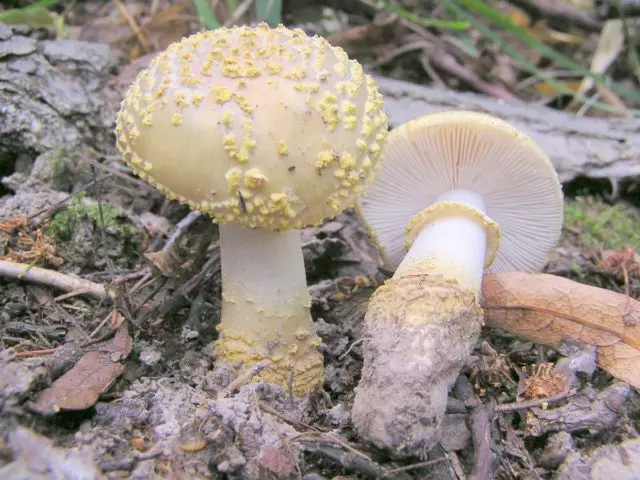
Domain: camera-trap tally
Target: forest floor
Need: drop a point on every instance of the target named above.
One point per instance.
(140, 397)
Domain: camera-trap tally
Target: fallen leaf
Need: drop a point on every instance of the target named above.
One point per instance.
(546, 309)
(95, 372)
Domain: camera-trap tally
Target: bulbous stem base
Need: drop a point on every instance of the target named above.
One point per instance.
(419, 330)
(265, 312)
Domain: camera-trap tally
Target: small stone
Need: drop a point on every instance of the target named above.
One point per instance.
(150, 356)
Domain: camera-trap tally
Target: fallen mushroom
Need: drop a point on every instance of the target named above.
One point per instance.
(458, 193)
(267, 131)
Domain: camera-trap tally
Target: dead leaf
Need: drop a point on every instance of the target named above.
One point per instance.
(547, 309)
(95, 372)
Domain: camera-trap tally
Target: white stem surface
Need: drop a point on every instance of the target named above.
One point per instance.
(262, 266)
(455, 244)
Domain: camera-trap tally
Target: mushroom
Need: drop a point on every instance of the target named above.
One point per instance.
(267, 130)
(458, 193)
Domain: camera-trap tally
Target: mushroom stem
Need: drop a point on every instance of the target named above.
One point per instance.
(423, 323)
(266, 307)
(455, 243)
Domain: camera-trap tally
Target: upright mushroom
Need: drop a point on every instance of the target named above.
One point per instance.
(458, 192)
(267, 131)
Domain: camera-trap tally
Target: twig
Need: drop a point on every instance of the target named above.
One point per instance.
(66, 283)
(128, 464)
(357, 342)
(180, 228)
(296, 423)
(245, 377)
(144, 43)
(414, 466)
(101, 324)
(35, 353)
(515, 406)
(481, 429)
(348, 460)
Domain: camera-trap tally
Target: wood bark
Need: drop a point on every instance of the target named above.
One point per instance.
(577, 146)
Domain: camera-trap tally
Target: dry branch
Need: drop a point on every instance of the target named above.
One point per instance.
(578, 146)
(66, 283)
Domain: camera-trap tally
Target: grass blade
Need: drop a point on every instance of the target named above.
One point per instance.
(495, 17)
(269, 11)
(425, 22)
(206, 15)
(528, 66)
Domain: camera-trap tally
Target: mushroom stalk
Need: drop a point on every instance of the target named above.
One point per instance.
(422, 325)
(266, 306)
(454, 243)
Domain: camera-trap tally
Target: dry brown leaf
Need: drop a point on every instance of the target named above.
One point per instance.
(95, 372)
(546, 309)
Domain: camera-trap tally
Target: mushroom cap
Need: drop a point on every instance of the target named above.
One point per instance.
(266, 127)
(458, 150)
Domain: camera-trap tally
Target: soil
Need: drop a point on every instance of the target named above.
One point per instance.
(150, 402)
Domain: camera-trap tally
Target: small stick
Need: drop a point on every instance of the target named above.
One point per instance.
(35, 353)
(357, 342)
(66, 283)
(245, 377)
(515, 406)
(128, 464)
(414, 466)
(144, 43)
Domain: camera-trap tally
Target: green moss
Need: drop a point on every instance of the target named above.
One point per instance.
(65, 223)
(596, 224)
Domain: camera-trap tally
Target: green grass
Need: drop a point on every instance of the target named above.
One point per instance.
(598, 225)
(36, 15)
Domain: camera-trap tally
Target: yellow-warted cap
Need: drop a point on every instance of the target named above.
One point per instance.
(458, 150)
(265, 127)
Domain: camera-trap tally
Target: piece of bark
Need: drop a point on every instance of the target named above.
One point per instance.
(547, 309)
(577, 146)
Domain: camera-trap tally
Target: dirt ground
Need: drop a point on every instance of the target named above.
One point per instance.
(141, 397)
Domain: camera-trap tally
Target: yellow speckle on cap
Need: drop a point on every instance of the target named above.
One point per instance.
(325, 159)
(296, 74)
(226, 119)
(176, 119)
(233, 177)
(222, 94)
(350, 122)
(347, 161)
(229, 141)
(282, 148)
(254, 178)
(197, 99)
(273, 68)
(134, 133)
(349, 108)
(146, 121)
(361, 144)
